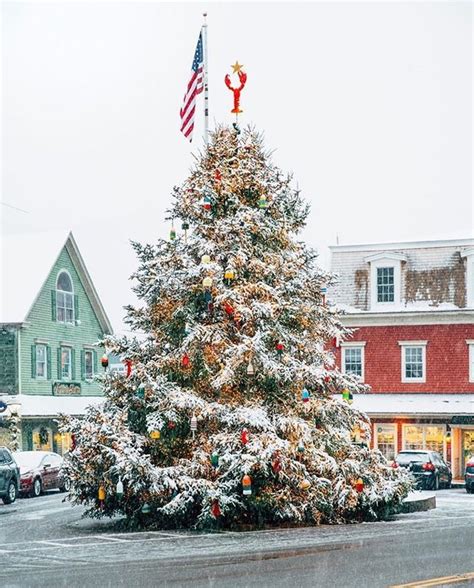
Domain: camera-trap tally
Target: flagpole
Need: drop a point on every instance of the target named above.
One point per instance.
(206, 85)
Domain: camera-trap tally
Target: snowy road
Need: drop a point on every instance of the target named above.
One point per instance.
(43, 542)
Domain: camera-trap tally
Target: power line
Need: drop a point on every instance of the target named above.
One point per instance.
(15, 207)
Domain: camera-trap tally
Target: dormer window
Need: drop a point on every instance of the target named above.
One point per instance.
(385, 280)
(64, 299)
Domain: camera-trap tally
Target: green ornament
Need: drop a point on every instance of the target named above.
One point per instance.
(140, 393)
(146, 508)
(214, 459)
(262, 202)
(185, 225)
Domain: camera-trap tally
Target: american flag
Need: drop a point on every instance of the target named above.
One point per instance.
(195, 87)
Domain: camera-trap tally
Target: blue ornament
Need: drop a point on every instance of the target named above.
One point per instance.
(305, 395)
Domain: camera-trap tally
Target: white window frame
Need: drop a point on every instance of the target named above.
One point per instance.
(395, 428)
(351, 344)
(424, 426)
(69, 349)
(403, 348)
(470, 350)
(45, 376)
(469, 255)
(381, 260)
(91, 352)
(66, 295)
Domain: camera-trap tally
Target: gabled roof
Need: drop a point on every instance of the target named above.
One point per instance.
(26, 262)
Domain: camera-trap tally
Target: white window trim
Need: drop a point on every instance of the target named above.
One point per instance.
(403, 346)
(69, 378)
(424, 425)
(73, 321)
(395, 427)
(469, 255)
(380, 260)
(470, 346)
(45, 377)
(91, 377)
(348, 344)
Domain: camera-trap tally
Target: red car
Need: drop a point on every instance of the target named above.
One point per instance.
(40, 471)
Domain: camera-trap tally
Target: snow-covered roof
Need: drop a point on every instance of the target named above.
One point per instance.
(26, 261)
(414, 404)
(53, 405)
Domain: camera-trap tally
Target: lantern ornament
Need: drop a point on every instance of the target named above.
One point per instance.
(347, 396)
(229, 275)
(250, 369)
(215, 509)
(359, 485)
(119, 488)
(305, 395)
(140, 393)
(206, 202)
(323, 290)
(244, 436)
(263, 202)
(172, 234)
(207, 282)
(185, 361)
(128, 367)
(155, 435)
(193, 425)
(214, 459)
(247, 485)
(305, 484)
(276, 464)
(104, 361)
(205, 259)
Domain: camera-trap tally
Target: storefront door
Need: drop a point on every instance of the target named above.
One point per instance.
(467, 448)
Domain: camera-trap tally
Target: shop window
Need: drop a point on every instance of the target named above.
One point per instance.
(42, 439)
(386, 439)
(429, 437)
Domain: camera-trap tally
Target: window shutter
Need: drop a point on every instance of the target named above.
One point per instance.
(95, 362)
(83, 362)
(76, 307)
(33, 361)
(53, 305)
(48, 362)
(59, 363)
(73, 364)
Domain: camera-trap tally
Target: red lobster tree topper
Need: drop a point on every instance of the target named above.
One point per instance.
(237, 68)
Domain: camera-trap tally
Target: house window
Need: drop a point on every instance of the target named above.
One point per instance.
(386, 439)
(413, 361)
(430, 437)
(64, 299)
(385, 284)
(88, 364)
(470, 346)
(66, 363)
(353, 358)
(41, 362)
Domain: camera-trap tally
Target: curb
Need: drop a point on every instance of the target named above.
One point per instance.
(419, 505)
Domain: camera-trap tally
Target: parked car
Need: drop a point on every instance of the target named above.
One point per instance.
(9, 476)
(469, 476)
(40, 471)
(428, 467)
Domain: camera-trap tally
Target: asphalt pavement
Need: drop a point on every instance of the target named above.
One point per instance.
(45, 542)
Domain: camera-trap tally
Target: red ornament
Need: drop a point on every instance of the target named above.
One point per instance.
(185, 361)
(128, 367)
(327, 379)
(236, 91)
(276, 464)
(244, 436)
(217, 175)
(279, 347)
(359, 485)
(215, 509)
(228, 309)
(104, 361)
(171, 425)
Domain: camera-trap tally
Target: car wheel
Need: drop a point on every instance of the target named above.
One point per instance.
(66, 486)
(448, 484)
(37, 488)
(435, 483)
(10, 496)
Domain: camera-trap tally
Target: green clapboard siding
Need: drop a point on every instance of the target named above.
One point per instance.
(43, 326)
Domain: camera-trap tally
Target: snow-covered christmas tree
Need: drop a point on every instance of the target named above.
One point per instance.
(231, 411)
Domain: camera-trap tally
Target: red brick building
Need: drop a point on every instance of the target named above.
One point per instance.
(411, 306)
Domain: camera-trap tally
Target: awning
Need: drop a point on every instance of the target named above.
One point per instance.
(414, 404)
(41, 406)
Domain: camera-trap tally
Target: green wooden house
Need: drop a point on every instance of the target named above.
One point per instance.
(50, 319)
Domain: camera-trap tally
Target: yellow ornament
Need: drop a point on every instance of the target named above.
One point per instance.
(305, 484)
(101, 493)
(155, 434)
(229, 274)
(236, 67)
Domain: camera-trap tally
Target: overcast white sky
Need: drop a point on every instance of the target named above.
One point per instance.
(369, 104)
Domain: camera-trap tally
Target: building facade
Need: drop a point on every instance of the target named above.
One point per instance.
(51, 319)
(411, 306)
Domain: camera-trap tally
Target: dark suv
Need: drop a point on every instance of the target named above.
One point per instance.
(428, 467)
(9, 476)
